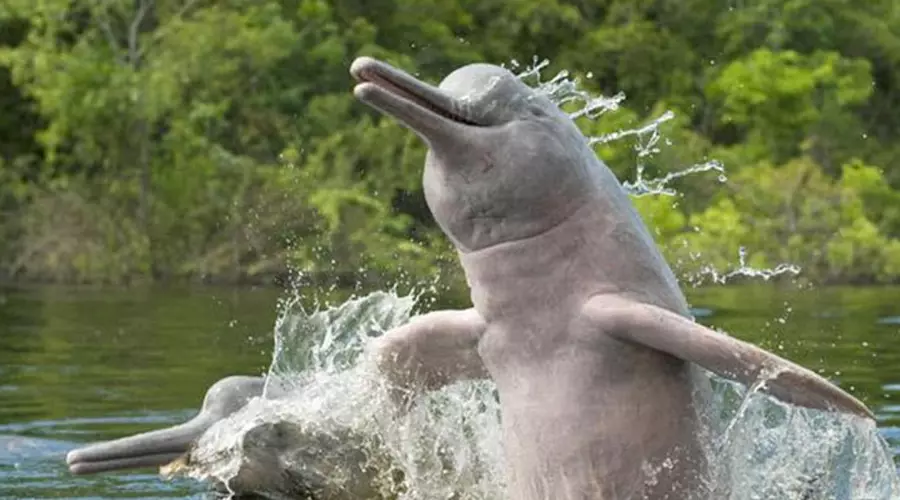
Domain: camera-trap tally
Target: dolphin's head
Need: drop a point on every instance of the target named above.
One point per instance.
(157, 448)
(504, 162)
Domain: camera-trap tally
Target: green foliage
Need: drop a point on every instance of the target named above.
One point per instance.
(191, 139)
(781, 100)
(791, 213)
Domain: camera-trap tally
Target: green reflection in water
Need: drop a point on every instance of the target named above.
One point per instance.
(84, 364)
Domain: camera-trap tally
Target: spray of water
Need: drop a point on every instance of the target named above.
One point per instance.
(766, 449)
(335, 434)
(742, 270)
(564, 89)
(325, 426)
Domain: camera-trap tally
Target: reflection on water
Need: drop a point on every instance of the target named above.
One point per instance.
(79, 365)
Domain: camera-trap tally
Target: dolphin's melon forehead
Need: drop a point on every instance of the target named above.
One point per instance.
(478, 79)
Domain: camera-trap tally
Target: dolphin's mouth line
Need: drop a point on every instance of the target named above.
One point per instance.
(410, 94)
(122, 462)
(149, 449)
(85, 456)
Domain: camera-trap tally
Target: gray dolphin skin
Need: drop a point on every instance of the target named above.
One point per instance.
(576, 316)
(289, 460)
(160, 447)
(279, 459)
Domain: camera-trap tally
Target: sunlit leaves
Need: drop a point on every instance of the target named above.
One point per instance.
(778, 97)
(640, 59)
(794, 213)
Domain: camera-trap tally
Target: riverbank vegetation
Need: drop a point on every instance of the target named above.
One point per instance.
(219, 140)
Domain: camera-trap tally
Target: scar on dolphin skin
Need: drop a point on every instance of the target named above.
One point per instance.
(568, 289)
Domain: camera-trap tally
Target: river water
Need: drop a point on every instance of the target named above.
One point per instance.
(86, 364)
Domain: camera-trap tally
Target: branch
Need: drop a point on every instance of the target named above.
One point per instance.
(133, 53)
(104, 25)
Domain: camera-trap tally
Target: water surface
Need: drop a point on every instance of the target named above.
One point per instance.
(85, 364)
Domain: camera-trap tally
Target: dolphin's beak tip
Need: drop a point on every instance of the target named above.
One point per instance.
(363, 90)
(359, 65)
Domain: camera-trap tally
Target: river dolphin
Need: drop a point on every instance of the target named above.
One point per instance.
(576, 316)
(280, 459)
(160, 447)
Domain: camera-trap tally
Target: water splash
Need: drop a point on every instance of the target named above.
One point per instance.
(338, 436)
(742, 270)
(770, 450)
(563, 89)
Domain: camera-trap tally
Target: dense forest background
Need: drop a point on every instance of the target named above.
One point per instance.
(218, 140)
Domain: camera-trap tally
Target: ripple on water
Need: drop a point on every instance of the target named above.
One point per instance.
(889, 320)
(34, 467)
(701, 312)
(32, 459)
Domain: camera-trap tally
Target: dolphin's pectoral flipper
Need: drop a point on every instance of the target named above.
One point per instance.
(431, 351)
(719, 353)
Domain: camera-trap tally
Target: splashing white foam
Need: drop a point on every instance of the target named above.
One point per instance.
(766, 449)
(336, 433)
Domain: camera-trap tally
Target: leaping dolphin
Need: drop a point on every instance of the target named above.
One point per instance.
(577, 317)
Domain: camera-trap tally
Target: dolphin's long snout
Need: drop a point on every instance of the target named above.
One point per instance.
(160, 447)
(426, 109)
(149, 449)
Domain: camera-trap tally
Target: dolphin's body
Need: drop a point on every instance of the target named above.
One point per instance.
(577, 317)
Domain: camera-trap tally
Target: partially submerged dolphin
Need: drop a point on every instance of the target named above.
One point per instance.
(284, 459)
(577, 317)
(280, 459)
(160, 447)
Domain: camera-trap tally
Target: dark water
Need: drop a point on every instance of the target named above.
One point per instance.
(84, 364)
